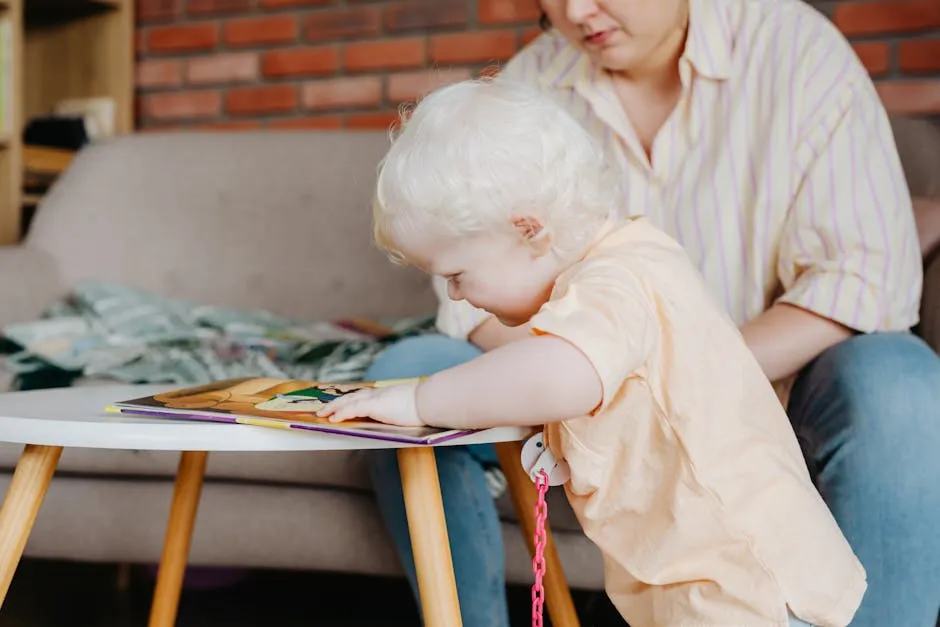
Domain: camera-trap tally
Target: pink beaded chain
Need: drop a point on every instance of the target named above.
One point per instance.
(538, 561)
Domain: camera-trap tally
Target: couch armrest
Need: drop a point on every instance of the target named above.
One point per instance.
(29, 283)
(918, 143)
(929, 326)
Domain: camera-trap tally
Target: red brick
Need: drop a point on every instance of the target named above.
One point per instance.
(340, 93)
(228, 125)
(157, 73)
(343, 24)
(181, 105)
(259, 100)
(231, 67)
(489, 71)
(301, 62)
(425, 15)
(874, 55)
(414, 85)
(866, 18)
(497, 45)
(261, 30)
(186, 38)
(314, 122)
(507, 11)
(373, 120)
(217, 7)
(157, 10)
(277, 4)
(528, 35)
(140, 42)
(388, 54)
(920, 55)
(911, 97)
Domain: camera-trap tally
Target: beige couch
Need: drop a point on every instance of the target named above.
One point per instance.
(279, 221)
(275, 221)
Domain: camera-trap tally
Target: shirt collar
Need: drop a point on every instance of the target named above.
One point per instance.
(709, 42)
(707, 49)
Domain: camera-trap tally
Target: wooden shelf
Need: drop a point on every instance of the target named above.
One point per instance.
(59, 50)
(46, 160)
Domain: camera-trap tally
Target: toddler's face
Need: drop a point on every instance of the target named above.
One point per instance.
(500, 273)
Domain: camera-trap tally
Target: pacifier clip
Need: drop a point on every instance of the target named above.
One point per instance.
(545, 470)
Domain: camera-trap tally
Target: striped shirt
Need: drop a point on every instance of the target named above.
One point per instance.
(777, 171)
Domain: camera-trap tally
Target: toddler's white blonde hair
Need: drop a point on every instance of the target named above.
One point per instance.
(472, 156)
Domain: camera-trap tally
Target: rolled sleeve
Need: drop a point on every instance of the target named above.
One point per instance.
(607, 316)
(849, 248)
(456, 319)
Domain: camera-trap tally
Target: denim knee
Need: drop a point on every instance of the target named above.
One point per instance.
(878, 391)
(421, 356)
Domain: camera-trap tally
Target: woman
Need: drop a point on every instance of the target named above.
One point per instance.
(750, 132)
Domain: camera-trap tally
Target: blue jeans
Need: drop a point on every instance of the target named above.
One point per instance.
(867, 414)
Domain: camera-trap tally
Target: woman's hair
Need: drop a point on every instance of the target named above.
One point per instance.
(472, 156)
(544, 22)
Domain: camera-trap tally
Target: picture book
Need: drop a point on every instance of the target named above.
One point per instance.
(279, 403)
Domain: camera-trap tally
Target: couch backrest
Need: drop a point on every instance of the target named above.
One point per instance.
(275, 220)
(918, 143)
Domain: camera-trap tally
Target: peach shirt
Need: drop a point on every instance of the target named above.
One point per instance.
(688, 476)
(777, 171)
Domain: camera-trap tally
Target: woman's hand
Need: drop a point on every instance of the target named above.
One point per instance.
(393, 405)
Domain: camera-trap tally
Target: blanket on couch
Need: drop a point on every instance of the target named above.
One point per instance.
(132, 336)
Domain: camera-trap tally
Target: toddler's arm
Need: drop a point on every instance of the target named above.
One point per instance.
(528, 382)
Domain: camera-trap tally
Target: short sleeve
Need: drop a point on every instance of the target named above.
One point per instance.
(605, 312)
(849, 250)
(456, 319)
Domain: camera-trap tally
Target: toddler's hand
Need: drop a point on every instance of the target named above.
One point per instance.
(394, 405)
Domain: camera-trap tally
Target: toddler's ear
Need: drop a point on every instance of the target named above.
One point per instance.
(533, 232)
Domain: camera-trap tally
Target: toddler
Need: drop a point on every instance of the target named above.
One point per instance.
(685, 471)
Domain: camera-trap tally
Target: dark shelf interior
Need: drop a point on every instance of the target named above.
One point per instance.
(48, 13)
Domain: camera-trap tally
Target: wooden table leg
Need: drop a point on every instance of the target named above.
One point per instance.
(524, 495)
(428, 530)
(21, 506)
(179, 532)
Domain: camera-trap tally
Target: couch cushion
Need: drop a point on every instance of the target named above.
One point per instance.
(267, 220)
(340, 469)
(6, 377)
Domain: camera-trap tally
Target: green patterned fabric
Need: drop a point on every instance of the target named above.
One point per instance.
(112, 331)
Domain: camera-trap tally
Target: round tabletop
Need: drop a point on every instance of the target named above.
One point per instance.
(77, 417)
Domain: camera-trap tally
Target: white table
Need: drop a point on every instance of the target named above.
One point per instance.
(46, 421)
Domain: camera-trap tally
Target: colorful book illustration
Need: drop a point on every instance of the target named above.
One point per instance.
(278, 403)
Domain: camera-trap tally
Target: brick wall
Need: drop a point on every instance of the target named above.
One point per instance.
(336, 63)
(899, 42)
(311, 63)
